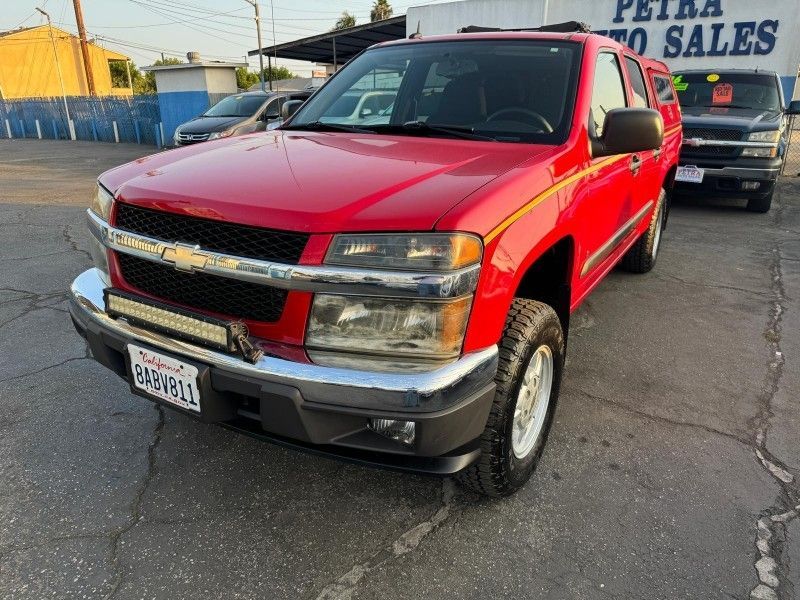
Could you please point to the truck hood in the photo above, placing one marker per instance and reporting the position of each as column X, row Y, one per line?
column 746, row 119
column 317, row 182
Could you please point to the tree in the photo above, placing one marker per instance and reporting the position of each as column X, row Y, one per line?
column 380, row 10
column 278, row 73
column 245, row 79
column 345, row 21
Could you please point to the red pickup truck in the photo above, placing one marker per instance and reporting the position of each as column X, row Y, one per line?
column 390, row 284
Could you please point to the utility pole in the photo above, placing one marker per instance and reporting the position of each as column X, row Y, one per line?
column 254, row 4
column 274, row 43
column 87, row 63
column 58, row 67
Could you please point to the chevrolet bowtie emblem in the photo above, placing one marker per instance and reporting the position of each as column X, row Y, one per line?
column 185, row 257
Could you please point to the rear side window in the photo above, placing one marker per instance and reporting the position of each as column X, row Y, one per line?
column 637, row 83
column 663, row 89
column 608, row 91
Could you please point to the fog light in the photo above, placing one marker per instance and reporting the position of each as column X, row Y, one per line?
column 749, row 186
column 400, row 431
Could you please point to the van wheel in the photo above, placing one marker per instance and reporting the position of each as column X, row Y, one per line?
column 760, row 205
column 642, row 255
column 528, row 380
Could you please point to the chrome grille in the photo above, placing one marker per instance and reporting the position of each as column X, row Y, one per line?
column 192, row 138
column 215, row 236
column 707, row 133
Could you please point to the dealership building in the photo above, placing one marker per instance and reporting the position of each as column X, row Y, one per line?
column 686, row 34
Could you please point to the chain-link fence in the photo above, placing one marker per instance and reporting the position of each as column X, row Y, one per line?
column 791, row 166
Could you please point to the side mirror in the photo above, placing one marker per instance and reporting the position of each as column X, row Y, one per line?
column 627, row 130
column 289, row 108
column 366, row 112
column 270, row 116
column 793, row 108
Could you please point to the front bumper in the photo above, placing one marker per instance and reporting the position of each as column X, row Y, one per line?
column 727, row 181
column 316, row 408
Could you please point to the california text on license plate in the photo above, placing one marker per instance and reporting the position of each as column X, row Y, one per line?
column 689, row 174
column 164, row 377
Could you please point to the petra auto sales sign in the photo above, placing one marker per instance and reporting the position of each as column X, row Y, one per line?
column 686, row 34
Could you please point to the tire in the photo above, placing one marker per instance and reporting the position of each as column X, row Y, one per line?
column 641, row 257
column 532, row 330
column 760, row 205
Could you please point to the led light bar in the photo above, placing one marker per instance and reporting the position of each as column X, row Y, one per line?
column 170, row 319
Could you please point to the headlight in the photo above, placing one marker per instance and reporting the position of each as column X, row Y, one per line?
column 765, row 136
column 419, row 252
column 101, row 202
column 220, row 134
column 760, row 152
column 392, row 327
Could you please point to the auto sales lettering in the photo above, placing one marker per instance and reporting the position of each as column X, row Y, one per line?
column 697, row 29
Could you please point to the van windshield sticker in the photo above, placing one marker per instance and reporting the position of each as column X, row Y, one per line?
column 713, row 78
column 722, row 94
column 679, row 84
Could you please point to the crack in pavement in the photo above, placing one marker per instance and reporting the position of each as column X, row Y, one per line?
column 136, row 506
column 34, row 303
column 771, row 564
column 344, row 586
column 43, row 369
column 662, row 419
column 73, row 244
column 716, row 286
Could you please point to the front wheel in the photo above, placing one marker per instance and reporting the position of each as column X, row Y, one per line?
column 528, row 380
column 760, row 205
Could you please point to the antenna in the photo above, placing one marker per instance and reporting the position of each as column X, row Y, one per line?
column 417, row 34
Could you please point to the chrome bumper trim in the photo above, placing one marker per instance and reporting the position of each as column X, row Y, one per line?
column 740, row 172
column 421, row 392
column 338, row 280
column 615, row 240
column 697, row 142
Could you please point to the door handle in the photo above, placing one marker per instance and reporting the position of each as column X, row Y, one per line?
column 636, row 164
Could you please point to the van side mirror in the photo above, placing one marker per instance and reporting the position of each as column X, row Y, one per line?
column 289, row 108
column 793, row 108
column 627, row 130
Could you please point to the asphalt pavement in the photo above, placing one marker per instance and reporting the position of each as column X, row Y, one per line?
column 671, row 470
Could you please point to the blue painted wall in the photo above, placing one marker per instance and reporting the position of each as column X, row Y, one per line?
column 179, row 107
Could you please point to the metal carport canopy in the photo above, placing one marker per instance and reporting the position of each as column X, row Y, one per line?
column 337, row 47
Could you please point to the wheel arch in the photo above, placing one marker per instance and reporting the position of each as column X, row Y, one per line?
column 548, row 279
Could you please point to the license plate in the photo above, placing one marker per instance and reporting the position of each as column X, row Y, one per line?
column 164, row 377
column 689, row 174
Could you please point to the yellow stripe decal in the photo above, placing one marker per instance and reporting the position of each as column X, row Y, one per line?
column 671, row 131
column 547, row 193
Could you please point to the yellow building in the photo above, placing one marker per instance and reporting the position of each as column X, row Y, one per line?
column 28, row 65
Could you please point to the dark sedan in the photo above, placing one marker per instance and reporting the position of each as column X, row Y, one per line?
column 237, row 114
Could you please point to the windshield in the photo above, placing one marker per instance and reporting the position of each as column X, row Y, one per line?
column 728, row 90
column 509, row 90
column 236, row 106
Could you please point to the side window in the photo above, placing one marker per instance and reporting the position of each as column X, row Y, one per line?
column 663, row 89
column 273, row 110
column 637, row 83
column 608, row 91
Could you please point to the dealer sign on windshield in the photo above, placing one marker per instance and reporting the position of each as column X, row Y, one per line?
column 689, row 174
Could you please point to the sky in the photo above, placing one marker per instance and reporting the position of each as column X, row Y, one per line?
column 218, row 29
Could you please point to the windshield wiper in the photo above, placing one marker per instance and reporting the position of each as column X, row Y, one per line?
column 467, row 133
column 321, row 126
